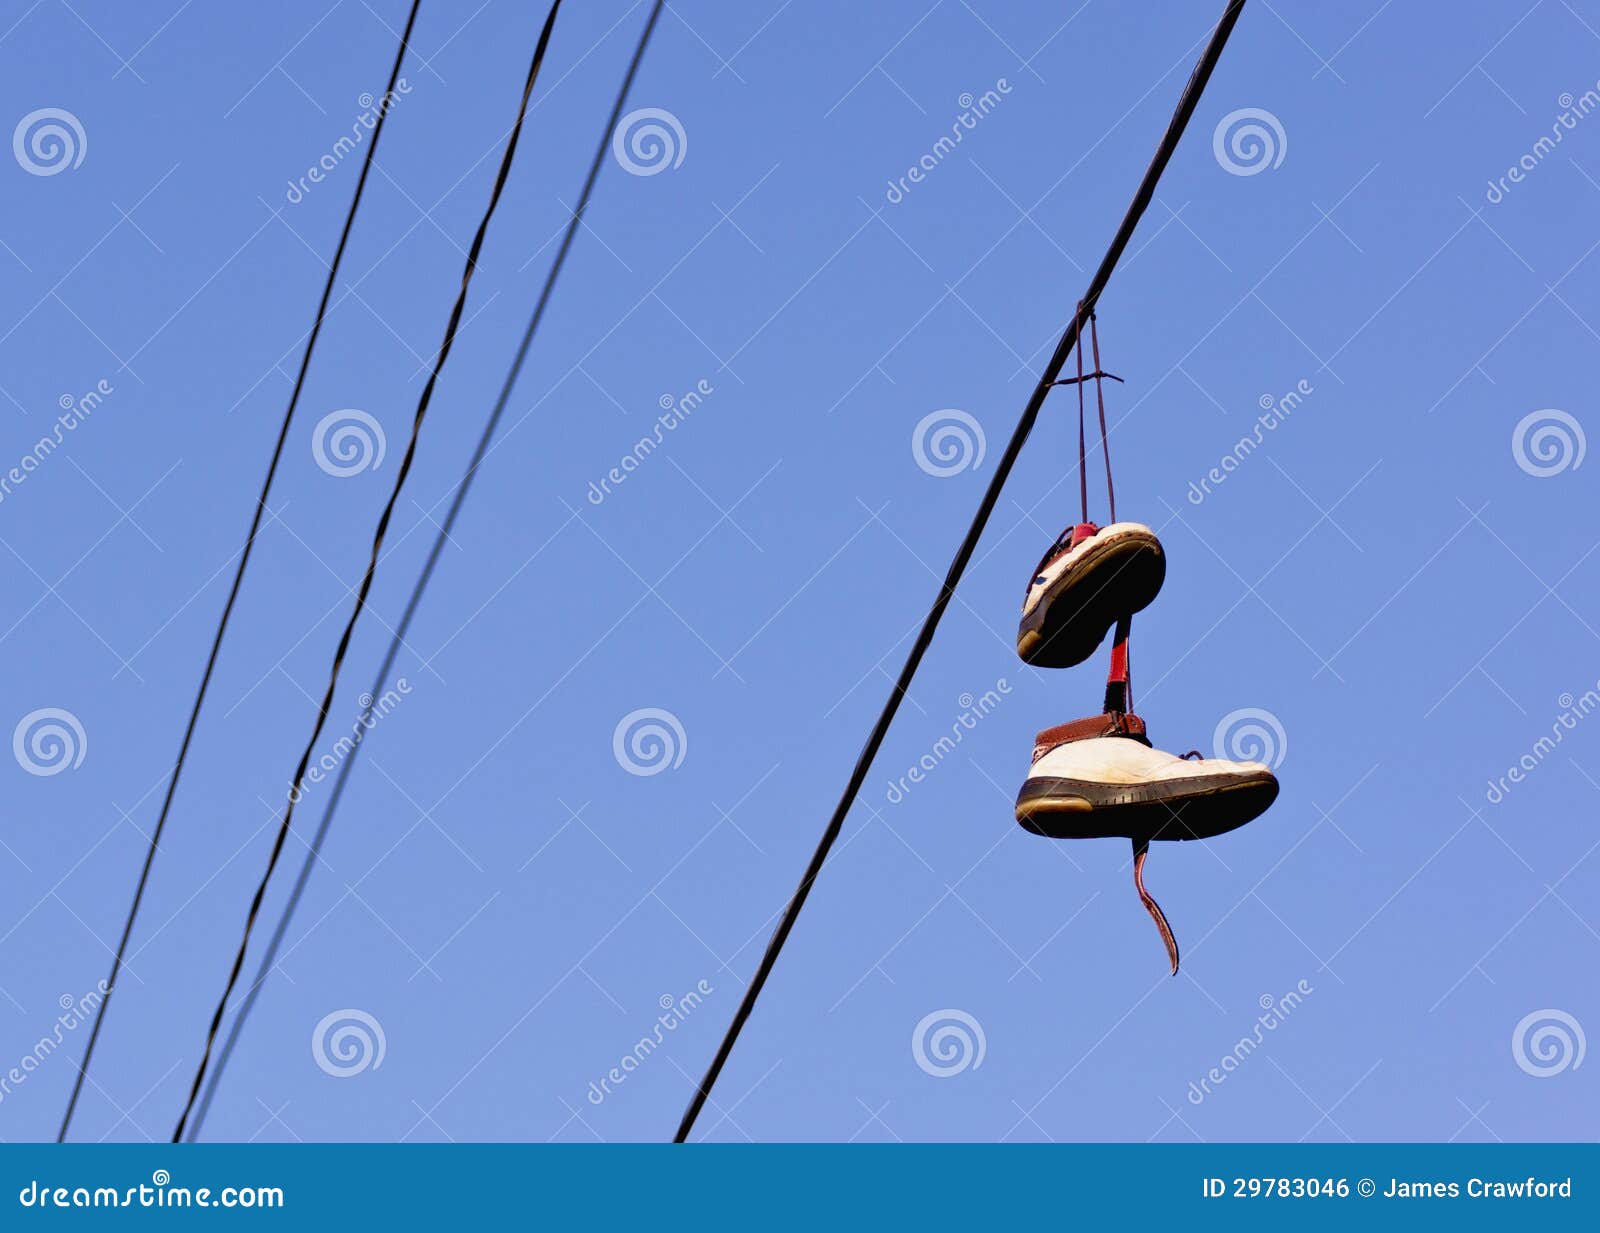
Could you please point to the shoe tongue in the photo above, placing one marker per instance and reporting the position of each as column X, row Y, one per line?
column 1081, row 532
column 1065, row 543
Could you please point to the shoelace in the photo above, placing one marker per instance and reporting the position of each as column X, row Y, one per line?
column 1141, row 849
column 1098, row 376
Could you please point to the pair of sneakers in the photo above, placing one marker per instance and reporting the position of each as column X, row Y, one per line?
column 1100, row 777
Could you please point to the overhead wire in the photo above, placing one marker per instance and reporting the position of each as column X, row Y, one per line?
column 1187, row 102
column 269, row 957
column 119, row 959
column 379, row 533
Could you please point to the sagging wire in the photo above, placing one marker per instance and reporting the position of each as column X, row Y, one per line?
column 269, row 957
column 372, row 564
column 119, row 958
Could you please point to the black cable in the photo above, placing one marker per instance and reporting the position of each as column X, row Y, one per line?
column 372, row 563
column 313, row 853
column 991, row 496
column 238, row 577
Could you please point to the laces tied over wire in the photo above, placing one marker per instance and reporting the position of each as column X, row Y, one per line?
column 1099, row 376
column 1119, row 681
column 1119, row 687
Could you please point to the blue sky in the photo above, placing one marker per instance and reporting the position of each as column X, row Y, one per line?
column 1402, row 574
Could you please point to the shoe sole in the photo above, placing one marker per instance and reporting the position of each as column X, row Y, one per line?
column 1116, row 578
column 1198, row 808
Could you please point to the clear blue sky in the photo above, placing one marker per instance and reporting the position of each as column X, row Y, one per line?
column 1413, row 607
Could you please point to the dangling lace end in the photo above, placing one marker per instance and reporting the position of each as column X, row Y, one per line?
column 1141, row 848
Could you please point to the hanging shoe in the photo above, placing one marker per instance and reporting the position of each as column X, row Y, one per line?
column 1089, row 579
column 1098, row 778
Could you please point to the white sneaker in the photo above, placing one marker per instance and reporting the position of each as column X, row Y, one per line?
column 1099, row 786
column 1099, row 777
column 1091, row 577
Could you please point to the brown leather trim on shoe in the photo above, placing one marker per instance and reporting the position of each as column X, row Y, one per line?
column 1109, row 724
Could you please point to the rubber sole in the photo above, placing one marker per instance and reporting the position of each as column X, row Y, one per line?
column 1113, row 579
column 1197, row 808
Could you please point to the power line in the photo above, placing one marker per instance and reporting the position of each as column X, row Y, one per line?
column 372, row 562
column 1141, row 200
column 238, row 577
column 313, row 853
